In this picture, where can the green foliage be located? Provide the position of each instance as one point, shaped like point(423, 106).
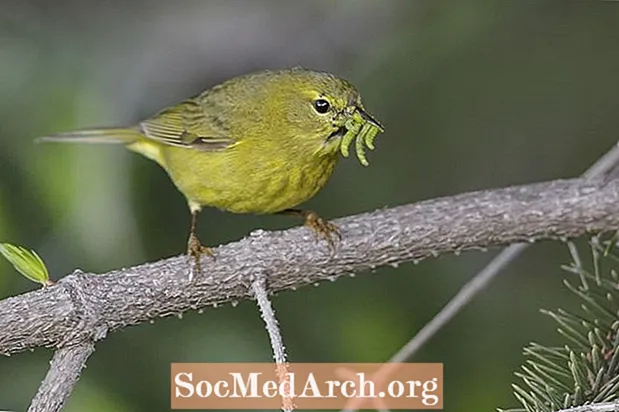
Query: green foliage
point(586, 369)
point(26, 262)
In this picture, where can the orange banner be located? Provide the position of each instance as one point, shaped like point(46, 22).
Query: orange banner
point(306, 385)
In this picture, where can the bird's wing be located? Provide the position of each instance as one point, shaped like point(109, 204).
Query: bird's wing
point(187, 125)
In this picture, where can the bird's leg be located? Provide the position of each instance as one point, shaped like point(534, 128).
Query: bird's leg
point(322, 228)
point(195, 249)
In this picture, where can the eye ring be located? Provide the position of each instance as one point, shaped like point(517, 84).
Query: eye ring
point(322, 106)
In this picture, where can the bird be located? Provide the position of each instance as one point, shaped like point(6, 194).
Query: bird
point(260, 143)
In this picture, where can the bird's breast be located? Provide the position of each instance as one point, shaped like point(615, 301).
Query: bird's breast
point(253, 182)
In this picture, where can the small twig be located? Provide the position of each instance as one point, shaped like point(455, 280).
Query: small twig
point(277, 344)
point(64, 371)
point(599, 407)
point(462, 298)
point(270, 321)
point(604, 164)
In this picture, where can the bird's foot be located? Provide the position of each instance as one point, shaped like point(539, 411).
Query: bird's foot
point(195, 250)
point(323, 228)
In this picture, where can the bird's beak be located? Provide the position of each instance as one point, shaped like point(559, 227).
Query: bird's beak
point(369, 118)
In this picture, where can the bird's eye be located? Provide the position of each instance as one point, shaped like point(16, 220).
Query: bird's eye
point(322, 106)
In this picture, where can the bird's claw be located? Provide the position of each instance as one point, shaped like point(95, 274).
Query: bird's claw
point(323, 228)
point(195, 250)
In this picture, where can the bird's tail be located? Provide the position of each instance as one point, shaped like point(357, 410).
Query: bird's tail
point(130, 137)
point(108, 135)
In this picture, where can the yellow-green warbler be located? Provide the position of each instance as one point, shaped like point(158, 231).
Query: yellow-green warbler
point(260, 143)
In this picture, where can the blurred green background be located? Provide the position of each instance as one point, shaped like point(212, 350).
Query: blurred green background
point(473, 95)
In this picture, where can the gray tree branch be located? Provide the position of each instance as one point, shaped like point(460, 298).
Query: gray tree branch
point(64, 371)
point(84, 307)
